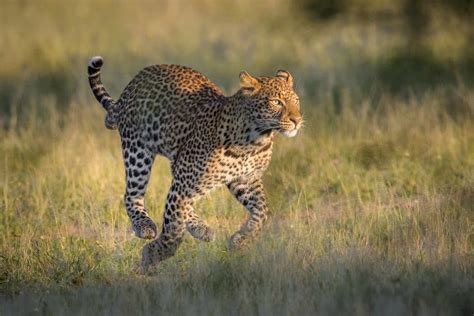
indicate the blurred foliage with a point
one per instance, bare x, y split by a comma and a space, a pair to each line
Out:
414, 10
367, 47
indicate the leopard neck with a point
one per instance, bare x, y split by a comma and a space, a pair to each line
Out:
236, 126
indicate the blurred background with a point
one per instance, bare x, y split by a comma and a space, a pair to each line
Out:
363, 48
371, 204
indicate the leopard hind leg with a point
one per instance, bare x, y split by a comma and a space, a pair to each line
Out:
138, 162
197, 227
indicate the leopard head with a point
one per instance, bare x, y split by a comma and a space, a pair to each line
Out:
272, 103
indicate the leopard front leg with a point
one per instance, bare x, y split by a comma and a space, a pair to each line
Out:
173, 228
250, 193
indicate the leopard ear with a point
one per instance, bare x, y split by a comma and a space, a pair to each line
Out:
248, 83
285, 75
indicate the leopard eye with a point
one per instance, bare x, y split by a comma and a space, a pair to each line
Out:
277, 102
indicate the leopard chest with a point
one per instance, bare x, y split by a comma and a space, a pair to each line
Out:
231, 162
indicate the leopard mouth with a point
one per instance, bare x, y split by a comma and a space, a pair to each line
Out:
290, 130
289, 133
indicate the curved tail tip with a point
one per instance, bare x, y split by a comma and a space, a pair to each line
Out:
96, 62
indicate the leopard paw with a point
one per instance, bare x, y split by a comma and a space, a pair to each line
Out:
144, 228
150, 260
202, 232
236, 241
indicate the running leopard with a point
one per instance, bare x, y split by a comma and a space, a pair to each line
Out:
210, 139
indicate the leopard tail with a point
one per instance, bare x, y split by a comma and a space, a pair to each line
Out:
100, 93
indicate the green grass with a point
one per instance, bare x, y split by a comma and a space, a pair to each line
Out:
370, 213
372, 204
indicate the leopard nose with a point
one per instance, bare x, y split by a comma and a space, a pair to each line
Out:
296, 120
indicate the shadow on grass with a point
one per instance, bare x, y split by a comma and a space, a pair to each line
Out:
20, 93
405, 72
263, 286
402, 75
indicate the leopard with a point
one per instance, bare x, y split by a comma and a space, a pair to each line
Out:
210, 139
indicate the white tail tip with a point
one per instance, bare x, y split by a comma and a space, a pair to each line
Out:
96, 62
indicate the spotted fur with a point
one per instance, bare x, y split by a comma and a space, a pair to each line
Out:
210, 140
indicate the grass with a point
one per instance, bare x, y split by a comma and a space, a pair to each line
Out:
371, 213
372, 205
